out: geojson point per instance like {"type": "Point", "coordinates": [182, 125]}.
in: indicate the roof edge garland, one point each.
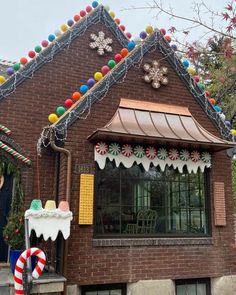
{"type": "Point", "coordinates": [98, 14]}
{"type": "Point", "coordinates": [135, 57]}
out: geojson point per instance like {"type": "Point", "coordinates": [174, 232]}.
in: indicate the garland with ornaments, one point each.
{"type": "Point", "coordinates": [128, 154]}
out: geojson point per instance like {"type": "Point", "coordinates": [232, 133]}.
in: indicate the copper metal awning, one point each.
{"type": "Point", "coordinates": [154, 122]}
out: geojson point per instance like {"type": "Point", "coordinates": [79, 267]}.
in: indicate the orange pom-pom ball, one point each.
{"type": "Point", "coordinates": [212, 101]}
{"type": "Point", "coordinates": [76, 18]}
{"type": "Point", "coordinates": [124, 52]}
{"type": "Point", "coordinates": [117, 20]}
{"type": "Point", "coordinates": [23, 60]}
{"type": "Point", "coordinates": [168, 38]}
{"type": "Point", "coordinates": [76, 95]}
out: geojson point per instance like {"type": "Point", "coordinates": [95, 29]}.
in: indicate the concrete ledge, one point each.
{"type": "Point", "coordinates": [152, 242]}
{"type": "Point", "coordinates": [225, 285]}
{"type": "Point", "coordinates": [151, 287]}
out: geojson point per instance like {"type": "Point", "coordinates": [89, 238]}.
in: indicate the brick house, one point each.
{"type": "Point", "coordinates": [152, 206]}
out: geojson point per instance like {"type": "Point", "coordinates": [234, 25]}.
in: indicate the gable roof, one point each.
{"type": "Point", "coordinates": [100, 89]}
{"type": "Point", "coordinates": [99, 14]}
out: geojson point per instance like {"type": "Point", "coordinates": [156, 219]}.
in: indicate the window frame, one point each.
{"type": "Point", "coordinates": [107, 287]}
{"type": "Point", "coordinates": [206, 281]}
{"type": "Point", "coordinates": [207, 188]}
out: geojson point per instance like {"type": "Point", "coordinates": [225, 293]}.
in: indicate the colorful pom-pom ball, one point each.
{"type": "Point", "coordinates": [111, 63]}
{"type": "Point", "coordinates": [233, 132]}
{"type": "Point", "coordinates": [60, 110]}
{"type": "Point", "coordinates": [76, 95]}
{"type": "Point", "coordinates": [212, 101]}
{"type": "Point", "coordinates": [23, 60]}
{"type": "Point", "coordinates": [185, 63]}
{"type": "Point", "coordinates": [217, 108]}
{"type": "Point", "coordinates": [124, 52]}
{"type": "Point", "coordinates": [52, 118]}
{"type": "Point", "coordinates": [82, 13]}
{"type": "Point", "coordinates": [10, 71]}
{"type": "Point", "coordinates": [163, 31]}
{"type": "Point", "coordinates": [70, 22]}
{"type": "Point", "coordinates": [117, 20]}
{"type": "Point", "coordinates": [2, 80]}
{"type": "Point", "coordinates": [83, 88]}
{"type": "Point", "coordinates": [31, 54]}
{"type": "Point", "coordinates": [201, 86]}
{"type": "Point", "coordinates": [68, 102]}
{"type": "Point", "coordinates": [128, 35]}
{"type": "Point", "coordinates": [91, 82]}
{"type": "Point", "coordinates": [149, 29]}
{"type": "Point", "coordinates": [174, 47]}
{"type": "Point", "coordinates": [44, 43]}
{"type": "Point", "coordinates": [196, 79]}
{"type": "Point", "coordinates": [95, 4]}
{"type": "Point", "coordinates": [107, 7]}
{"type": "Point", "coordinates": [58, 32]}
{"type": "Point", "coordinates": [228, 124]}
{"type": "Point", "coordinates": [168, 39]}
{"type": "Point", "coordinates": [64, 28]}
{"type": "Point", "coordinates": [207, 93]}
{"type": "Point", "coordinates": [191, 71]}
{"type": "Point", "coordinates": [76, 18]}
{"type": "Point", "coordinates": [16, 66]}
{"type": "Point", "coordinates": [112, 14]}
{"type": "Point", "coordinates": [143, 35]}
{"type": "Point", "coordinates": [131, 45]}
{"type": "Point", "coordinates": [51, 38]}
{"type": "Point", "coordinates": [118, 57]}
{"type": "Point", "coordinates": [222, 116]}
{"type": "Point", "coordinates": [122, 27]}
{"type": "Point", "coordinates": [88, 8]}
{"type": "Point", "coordinates": [38, 48]}
{"type": "Point", "coordinates": [105, 70]}
{"type": "Point", "coordinates": [98, 76]}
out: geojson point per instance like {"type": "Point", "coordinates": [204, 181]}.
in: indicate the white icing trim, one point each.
{"type": "Point", "coordinates": [49, 222]}
{"type": "Point", "coordinates": [145, 162]}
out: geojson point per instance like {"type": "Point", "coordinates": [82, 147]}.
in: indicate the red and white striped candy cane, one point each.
{"type": "Point", "coordinates": [18, 274]}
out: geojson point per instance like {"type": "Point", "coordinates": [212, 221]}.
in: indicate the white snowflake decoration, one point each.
{"type": "Point", "coordinates": [155, 74]}
{"type": "Point", "coordinates": [100, 43]}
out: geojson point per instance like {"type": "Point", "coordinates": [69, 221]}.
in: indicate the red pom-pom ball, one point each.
{"type": "Point", "coordinates": [44, 43]}
{"type": "Point", "coordinates": [207, 93]}
{"type": "Point", "coordinates": [105, 70]}
{"type": "Point", "coordinates": [163, 32]}
{"type": "Point", "coordinates": [23, 60]}
{"type": "Point", "coordinates": [118, 57]}
{"type": "Point", "coordinates": [68, 103]}
{"type": "Point", "coordinates": [76, 18]}
{"type": "Point", "coordinates": [31, 54]}
{"type": "Point", "coordinates": [82, 13]}
{"type": "Point", "coordinates": [128, 35]}
{"type": "Point", "coordinates": [117, 20]}
{"type": "Point", "coordinates": [88, 8]}
{"type": "Point", "coordinates": [168, 38]}
{"type": "Point", "coordinates": [122, 27]}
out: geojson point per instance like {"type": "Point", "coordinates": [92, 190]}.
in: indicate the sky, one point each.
{"type": "Point", "coordinates": [25, 23]}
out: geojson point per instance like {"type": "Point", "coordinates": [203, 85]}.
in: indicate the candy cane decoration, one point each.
{"type": "Point", "coordinates": [5, 129]}
{"type": "Point", "coordinates": [18, 274]}
{"type": "Point", "coordinates": [14, 153]}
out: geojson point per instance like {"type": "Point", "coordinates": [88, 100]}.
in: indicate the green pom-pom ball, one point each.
{"type": "Point", "coordinates": [37, 48]}
{"type": "Point", "coordinates": [16, 66]}
{"type": "Point", "coordinates": [111, 64]}
{"type": "Point", "coordinates": [60, 110]}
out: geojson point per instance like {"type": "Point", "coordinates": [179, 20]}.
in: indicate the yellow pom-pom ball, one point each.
{"type": "Point", "coordinates": [112, 14]}
{"type": "Point", "coordinates": [149, 29]}
{"type": "Point", "coordinates": [2, 80]}
{"type": "Point", "coordinates": [233, 132]}
{"type": "Point", "coordinates": [98, 76]}
{"type": "Point", "coordinates": [191, 71]}
{"type": "Point", "coordinates": [64, 28]}
{"type": "Point", "coordinates": [52, 118]}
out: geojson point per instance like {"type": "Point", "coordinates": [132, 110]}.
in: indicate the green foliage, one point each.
{"type": "Point", "coordinates": [13, 232]}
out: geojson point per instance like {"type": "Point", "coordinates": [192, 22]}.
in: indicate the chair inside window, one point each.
{"type": "Point", "coordinates": [145, 223]}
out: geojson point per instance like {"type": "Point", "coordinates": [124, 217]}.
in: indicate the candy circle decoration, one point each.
{"type": "Point", "coordinates": [118, 57]}
{"type": "Point", "coordinates": [212, 101]}
{"type": "Point", "coordinates": [2, 80]}
{"type": "Point", "coordinates": [162, 154]}
{"type": "Point", "coordinates": [222, 116]}
{"type": "Point", "coordinates": [143, 35]}
{"type": "Point", "coordinates": [128, 35]}
{"type": "Point", "coordinates": [131, 45]}
{"type": "Point", "coordinates": [124, 52]}
{"type": "Point", "coordinates": [149, 29]}
{"type": "Point", "coordinates": [68, 103]}
{"type": "Point", "coordinates": [111, 64]}
{"type": "Point", "coordinates": [95, 4]}
{"type": "Point", "coordinates": [60, 110]}
{"type": "Point", "coordinates": [139, 151]}
{"type": "Point", "coordinates": [23, 60]}
{"type": "Point", "coordinates": [10, 71]}
{"type": "Point", "coordinates": [168, 39]}
{"type": "Point", "coordinates": [185, 63]}
{"type": "Point", "coordinates": [44, 43]}
{"type": "Point", "coordinates": [184, 155]}
{"type": "Point", "coordinates": [127, 150]}
{"type": "Point", "coordinates": [64, 28]}
{"type": "Point", "coordinates": [91, 82]}
{"type": "Point", "coordinates": [122, 27]}
{"type": "Point", "coordinates": [207, 93]}
{"type": "Point", "coordinates": [105, 70]}
{"type": "Point", "coordinates": [155, 74]}
{"type": "Point", "coordinates": [82, 13]}
{"type": "Point", "coordinates": [217, 108]}
{"type": "Point", "coordinates": [163, 31]}
{"type": "Point", "coordinates": [83, 89]}
{"type": "Point", "coordinates": [117, 20]}
{"type": "Point", "coordinates": [112, 14]}
{"type": "Point", "coordinates": [174, 47]}
{"type": "Point", "coordinates": [114, 149]}
{"type": "Point", "coordinates": [101, 148]}
{"type": "Point", "coordinates": [233, 132]}
{"type": "Point", "coordinates": [227, 123]}
{"type": "Point", "coordinates": [191, 71]}
{"type": "Point", "coordinates": [88, 8]}
{"type": "Point", "coordinates": [195, 156]}
{"type": "Point", "coordinates": [98, 76]}
{"type": "Point", "coordinates": [151, 152]}
{"type": "Point", "coordinates": [37, 48]}
{"type": "Point", "coordinates": [76, 95]}
{"type": "Point", "coordinates": [16, 66]}
{"type": "Point", "coordinates": [76, 18]}
{"type": "Point", "coordinates": [206, 157]}
{"type": "Point", "coordinates": [196, 79]}
{"type": "Point", "coordinates": [70, 22]}
{"type": "Point", "coordinates": [31, 54]}
{"type": "Point", "coordinates": [18, 274]}
{"type": "Point", "coordinates": [51, 37]}
{"type": "Point", "coordinates": [201, 86]}
{"type": "Point", "coordinates": [100, 43]}
{"type": "Point", "coordinates": [52, 118]}
{"type": "Point", "coordinates": [173, 154]}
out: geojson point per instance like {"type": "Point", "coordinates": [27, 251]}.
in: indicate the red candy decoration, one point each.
{"type": "Point", "coordinates": [105, 70]}
{"type": "Point", "coordinates": [117, 20]}
{"type": "Point", "coordinates": [76, 18]}
{"type": "Point", "coordinates": [151, 152]}
{"type": "Point", "coordinates": [88, 8]}
{"type": "Point", "coordinates": [212, 101]}
{"type": "Point", "coordinates": [124, 52]}
{"type": "Point", "coordinates": [128, 35]}
{"type": "Point", "coordinates": [122, 27]}
{"type": "Point", "coordinates": [44, 43]}
{"type": "Point", "coordinates": [118, 57]}
{"type": "Point", "coordinates": [168, 38]}
{"type": "Point", "coordinates": [31, 54]}
{"type": "Point", "coordinates": [23, 60]}
{"type": "Point", "coordinates": [68, 103]}
{"type": "Point", "coordinates": [173, 154]}
{"type": "Point", "coordinates": [127, 150]}
{"type": "Point", "coordinates": [207, 93]}
{"type": "Point", "coordinates": [195, 156]}
{"type": "Point", "coordinates": [82, 13]}
{"type": "Point", "coordinates": [101, 148]}
{"type": "Point", "coordinates": [163, 31]}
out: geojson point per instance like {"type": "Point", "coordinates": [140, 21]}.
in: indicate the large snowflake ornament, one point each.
{"type": "Point", "coordinates": [155, 74]}
{"type": "Point", "coordinates": [100, 43]}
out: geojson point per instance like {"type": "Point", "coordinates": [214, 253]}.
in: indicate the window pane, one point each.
{"type": "Point", "coordinates": [91, 293]}
{"type": "Point", "coordinates": [187, 290]}
{"type": "Point", "coordinates": [115, 292]}
{"type": "Point", "coordinates": [107, 292]}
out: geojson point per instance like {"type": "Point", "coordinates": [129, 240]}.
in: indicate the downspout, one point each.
{"type": "Point", "coordinates": [68, 194]}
